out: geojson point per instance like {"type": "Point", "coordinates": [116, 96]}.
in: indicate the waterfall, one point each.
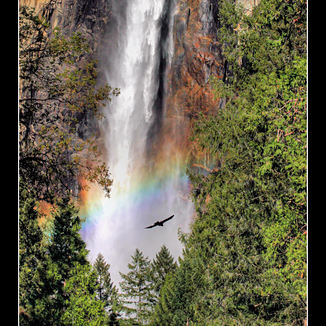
{"type": "Point", "coordinates": [149, 181]}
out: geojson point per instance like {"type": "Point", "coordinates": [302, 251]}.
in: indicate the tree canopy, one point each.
{"type": "Point", "coordinates": [57, 91]}
{"type": "Point", "coordinates": [245, 258]}
{"type": "Point", "coordinates": [244, 261]}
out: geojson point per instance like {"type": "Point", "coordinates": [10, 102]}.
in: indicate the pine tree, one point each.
{"type": "Point", "coordinates": [162, 265]}
{"type": "Point", "coordinates": [180, 290]}
{"type": "Point", "coordinates": [83, 307]}
{"type": "Point", "coordinates": [245, 259]}
{"type": "Point", "coordinates": [65, 249]}
{"type": "Point", "coordinates": [34, 286]}
{"type": "Point", "coordinates": [137, 289]}
{"type": "Point", "coordinates": [66, 245]}
{"type": "Point", "coordinates": [106, 291]}
{"type": "Point", "coordinates": [164, 308]}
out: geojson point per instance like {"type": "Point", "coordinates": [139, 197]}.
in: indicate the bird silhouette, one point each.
{"type": "Point", "coordinates": [159, 223]}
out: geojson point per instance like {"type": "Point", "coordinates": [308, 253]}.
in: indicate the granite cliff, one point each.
{"type": "Point", "coordinates": [196, 55]}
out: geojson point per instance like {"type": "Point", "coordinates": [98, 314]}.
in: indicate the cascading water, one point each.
{"type": "Point", "coordinates": [149, 182]}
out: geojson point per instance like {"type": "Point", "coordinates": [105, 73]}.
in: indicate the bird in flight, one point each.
{"type": "Point", "coordinates": [159, 223]}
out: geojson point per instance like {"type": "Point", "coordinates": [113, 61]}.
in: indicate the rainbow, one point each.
{"type": "Point", "coordinates": [143, 192]}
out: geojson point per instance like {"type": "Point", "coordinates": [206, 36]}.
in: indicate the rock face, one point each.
{"type": "Point", "coordinates": [89, 17]}
{"type": "Point", "coordinates": [197, 52]}
{"type": "Point", "coordinates": [36, 4]}
{"type": "Point", "coordinates": [197, 57]}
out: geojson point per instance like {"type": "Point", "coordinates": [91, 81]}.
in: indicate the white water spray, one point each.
{"type": "Point", "coordinates": [140, 193]}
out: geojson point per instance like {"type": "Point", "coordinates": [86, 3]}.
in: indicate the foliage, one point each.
{"type": "Point", "coordinates": [34, 287]}
{"type": "Point", "coordinates": [57, 285]}
{"type": "Point", "coordinates": [66, 245]}
{"type": "Point", "coordinates": [247, 247]}
{"type": "Point", "coordinates": [46, 261]}
{"type": "Point", "coordinates": [136, 289]}
{"type": "Point", "coordinates": [65, 249]}
{"type": "Point", "coordinates": [106, 291]}
{"type": "Point", "coordinates": [244, 261]}
{"type": "Point", "coordinates": [57, 91]}
{"type": "Point", "coordinates": [83, 306]}
{"type": "Point", "coordinates": [178, 292]}
{"type": "Point", "coordinates": [162, 265]}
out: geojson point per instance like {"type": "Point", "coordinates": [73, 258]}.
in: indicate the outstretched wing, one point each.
{"type": "Point", "coordinates": [169, 218]}
{"type": "Point", "coordinates": [149, 227]}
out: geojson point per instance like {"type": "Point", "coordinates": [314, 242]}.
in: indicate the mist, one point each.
{"type": "Point", "coordinates": [149, 180]}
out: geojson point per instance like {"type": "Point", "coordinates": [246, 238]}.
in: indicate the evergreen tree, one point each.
{"type": "Point", "coordinates": [164, 309]}
{"type": "Point", "coordinates": [66, 245]}
{"type": "Point", "coordinates": [162, 265]}
{"type": "Point", "coordinates": [83, 307]}
{"type": "Point", "coordinates": [106, 291]}
{"type": "Point", "coordinates": [56, 283]}
{"type": "Point", "coordinates": [137, 289]}
{"type": "Point", "coordinates": [179, 292]}
{"type": "Point", "coordinates": [57, 89]}
{"type": "Point", "coordinates": [246, 253]}
{"type": "Point", "coordinates": [34, 286]}
{"type": "Point", "coordinates": [65, 249]}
